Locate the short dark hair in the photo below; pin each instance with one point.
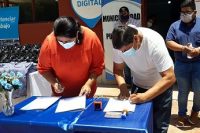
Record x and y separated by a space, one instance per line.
188 3
128 35
67 27
117 37
125 8
123 37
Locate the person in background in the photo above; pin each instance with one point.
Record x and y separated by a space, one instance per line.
124 20
145 52
151 23
183 38
71 58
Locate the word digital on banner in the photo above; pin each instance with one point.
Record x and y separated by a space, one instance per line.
9 23
89 11
110 15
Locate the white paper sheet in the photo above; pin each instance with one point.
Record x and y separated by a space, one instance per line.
40 103
69 104
119 105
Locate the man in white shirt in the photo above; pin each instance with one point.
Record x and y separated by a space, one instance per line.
145 53
123 22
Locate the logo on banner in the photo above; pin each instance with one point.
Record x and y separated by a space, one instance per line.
89 11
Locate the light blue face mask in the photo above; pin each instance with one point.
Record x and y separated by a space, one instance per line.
67 45
130 52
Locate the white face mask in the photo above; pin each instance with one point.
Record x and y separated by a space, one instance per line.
67 45
149 24
130 52
186 18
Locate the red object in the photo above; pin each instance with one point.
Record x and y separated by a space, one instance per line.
97 105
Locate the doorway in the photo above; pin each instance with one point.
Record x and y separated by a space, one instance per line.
165 13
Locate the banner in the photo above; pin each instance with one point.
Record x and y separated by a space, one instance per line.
9 23
110 15
9 32
198 7
89 11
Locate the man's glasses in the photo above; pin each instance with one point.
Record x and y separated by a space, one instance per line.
186 12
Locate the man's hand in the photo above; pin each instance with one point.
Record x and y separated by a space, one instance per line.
85 90
195 52
138 98
124 93
187 49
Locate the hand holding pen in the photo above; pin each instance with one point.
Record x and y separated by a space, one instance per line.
137 97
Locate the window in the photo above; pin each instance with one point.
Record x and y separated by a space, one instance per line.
34 10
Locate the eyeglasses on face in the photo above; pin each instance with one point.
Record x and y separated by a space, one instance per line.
186 12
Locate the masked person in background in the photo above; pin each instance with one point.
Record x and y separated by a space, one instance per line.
152 23
71 58
122 23
183 38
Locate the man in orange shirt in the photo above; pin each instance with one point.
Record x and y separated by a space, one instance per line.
71 58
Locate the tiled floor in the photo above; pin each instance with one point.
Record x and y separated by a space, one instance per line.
113 92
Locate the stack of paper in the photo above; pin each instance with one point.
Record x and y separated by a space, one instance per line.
74 103
119 105
40 103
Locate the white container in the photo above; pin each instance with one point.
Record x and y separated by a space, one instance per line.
190 46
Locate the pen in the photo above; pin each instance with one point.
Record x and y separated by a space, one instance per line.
135 91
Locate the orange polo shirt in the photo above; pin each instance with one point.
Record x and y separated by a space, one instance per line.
72 66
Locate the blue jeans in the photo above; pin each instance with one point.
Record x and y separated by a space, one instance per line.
188 77
127 74
162 105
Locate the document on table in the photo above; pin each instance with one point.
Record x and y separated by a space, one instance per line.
119 105
40 103
68 104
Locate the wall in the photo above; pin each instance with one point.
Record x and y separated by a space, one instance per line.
34 33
